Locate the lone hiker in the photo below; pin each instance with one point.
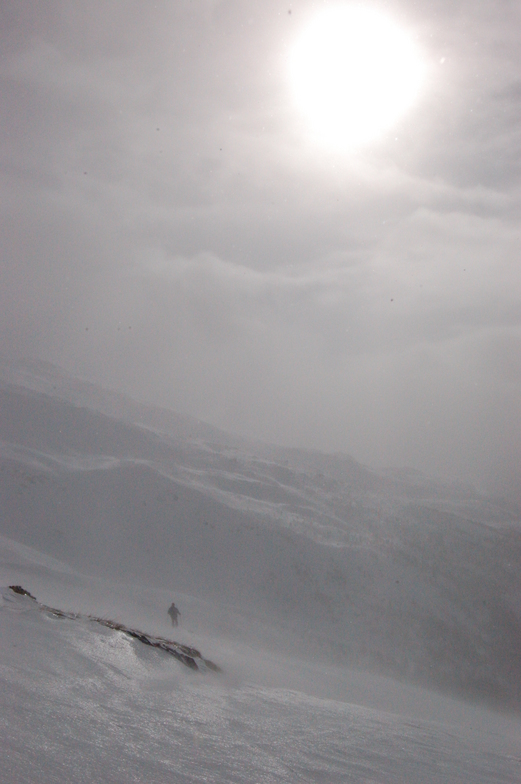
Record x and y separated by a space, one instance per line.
174 614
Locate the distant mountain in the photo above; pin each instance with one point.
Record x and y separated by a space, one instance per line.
385 570
44 377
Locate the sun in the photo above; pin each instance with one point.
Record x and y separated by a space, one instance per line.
353 73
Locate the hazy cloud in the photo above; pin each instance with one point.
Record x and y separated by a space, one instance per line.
169 229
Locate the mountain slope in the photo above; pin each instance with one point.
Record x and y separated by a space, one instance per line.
85 703
395 573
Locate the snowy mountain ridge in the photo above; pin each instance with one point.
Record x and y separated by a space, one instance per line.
187 655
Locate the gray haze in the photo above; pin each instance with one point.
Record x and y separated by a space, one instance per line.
169 230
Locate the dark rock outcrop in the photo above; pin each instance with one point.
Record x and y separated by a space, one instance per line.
188 656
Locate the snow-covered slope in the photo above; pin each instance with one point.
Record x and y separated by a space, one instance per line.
308 552
83 703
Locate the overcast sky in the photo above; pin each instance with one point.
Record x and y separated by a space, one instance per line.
170 227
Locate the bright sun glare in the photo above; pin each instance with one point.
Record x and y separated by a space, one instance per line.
354 72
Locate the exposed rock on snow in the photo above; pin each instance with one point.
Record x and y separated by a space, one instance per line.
188 656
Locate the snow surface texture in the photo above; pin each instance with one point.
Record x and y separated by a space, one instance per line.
308 578
84 703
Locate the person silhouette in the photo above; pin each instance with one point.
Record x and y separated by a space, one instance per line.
174 614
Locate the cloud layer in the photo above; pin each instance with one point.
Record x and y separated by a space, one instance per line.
169 229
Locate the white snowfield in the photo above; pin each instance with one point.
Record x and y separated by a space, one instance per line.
84 703
366 622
